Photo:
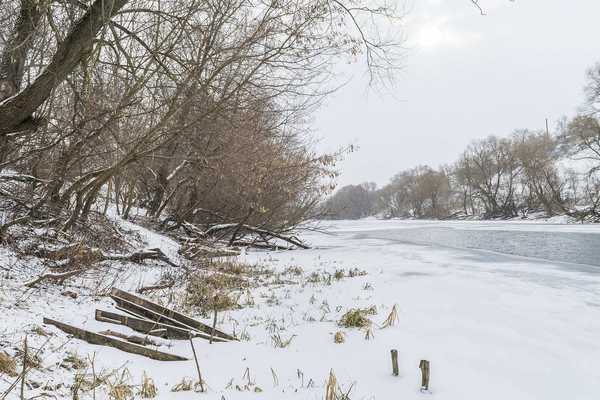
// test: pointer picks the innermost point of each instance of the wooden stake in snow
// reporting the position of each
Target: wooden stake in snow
(24, 373)
(424, 365)
(395, 362)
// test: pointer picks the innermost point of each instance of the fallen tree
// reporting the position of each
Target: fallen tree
(80, 257)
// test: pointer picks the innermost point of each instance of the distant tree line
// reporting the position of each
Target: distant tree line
(497, 177)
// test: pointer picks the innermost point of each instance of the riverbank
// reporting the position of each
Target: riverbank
(495, 327)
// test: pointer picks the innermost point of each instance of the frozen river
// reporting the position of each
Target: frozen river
(573, 244)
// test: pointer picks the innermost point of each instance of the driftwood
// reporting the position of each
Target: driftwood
(102, 340)
(147, 327)
(155, 312)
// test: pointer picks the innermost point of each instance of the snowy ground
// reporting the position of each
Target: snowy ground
(492, 326)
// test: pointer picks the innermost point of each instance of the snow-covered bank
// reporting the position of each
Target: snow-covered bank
(492, 326)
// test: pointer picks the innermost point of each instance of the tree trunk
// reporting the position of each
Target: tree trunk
(16, 112)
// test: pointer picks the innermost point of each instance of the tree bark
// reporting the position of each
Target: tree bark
(18, 109)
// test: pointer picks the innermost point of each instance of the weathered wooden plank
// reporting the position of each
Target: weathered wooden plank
(158, 313)
(150, 327)
(102, 340)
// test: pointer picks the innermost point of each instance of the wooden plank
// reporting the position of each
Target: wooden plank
(102, 340)
(158, 313)
(150, 327)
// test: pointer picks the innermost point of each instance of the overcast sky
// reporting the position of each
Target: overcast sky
(465, 76)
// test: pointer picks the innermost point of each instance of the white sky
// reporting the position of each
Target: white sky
(465, 76)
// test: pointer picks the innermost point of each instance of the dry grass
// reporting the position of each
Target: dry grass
(73, 361)
(333, 391)
(184, 386)
(33, 360)
(148, 388)
(120, 389)
(280, 342)
(38, 330)
(356, 272)
(293, 270)
(339, 337)
(339, 274)
(392, 318)
(8, 365)
(357, 317)
(210, 292)
(331, 388)
(369, 333)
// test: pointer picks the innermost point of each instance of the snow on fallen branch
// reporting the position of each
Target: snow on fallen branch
(90, 255)
(50, 276)
(264, 235)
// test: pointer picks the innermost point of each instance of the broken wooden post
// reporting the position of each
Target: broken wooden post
(24, 372)
(197, 365)
(395, 362)
(424, 365)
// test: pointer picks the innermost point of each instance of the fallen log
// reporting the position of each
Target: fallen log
(147, 327)
(157, 313)
(102, 340)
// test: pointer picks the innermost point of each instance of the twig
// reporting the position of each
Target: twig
(212, 334)
(24, 372)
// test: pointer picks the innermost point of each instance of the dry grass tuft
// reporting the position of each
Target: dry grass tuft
(230, 267)
(333, 391)
(357, 317)
(356, 272)
(184, 386)
(73, 361)
(148, 389)
(369, 333)
(120, 389)
(293, 270)
(280, 342)
(210, 292)
(38, 330)
(8, 365)
(331, 388)
(392, 318)
(339, 337)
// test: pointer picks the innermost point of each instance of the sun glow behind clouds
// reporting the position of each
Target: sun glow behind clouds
(435, 32)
